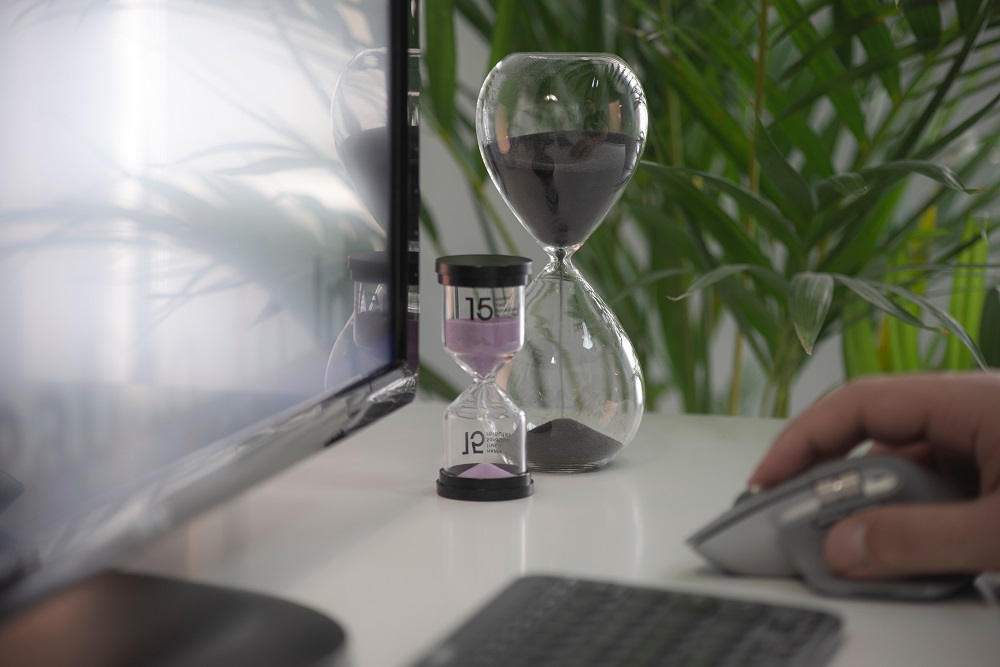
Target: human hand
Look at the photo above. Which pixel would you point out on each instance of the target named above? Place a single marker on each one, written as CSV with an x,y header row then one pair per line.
x,y
950,423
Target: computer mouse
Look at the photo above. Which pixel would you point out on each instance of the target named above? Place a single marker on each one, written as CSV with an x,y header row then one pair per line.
x,y
779,532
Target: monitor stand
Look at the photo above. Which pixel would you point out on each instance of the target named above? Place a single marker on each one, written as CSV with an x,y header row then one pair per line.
x,y
122,620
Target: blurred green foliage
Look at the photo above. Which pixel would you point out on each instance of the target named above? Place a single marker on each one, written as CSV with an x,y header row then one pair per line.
x,y
814,167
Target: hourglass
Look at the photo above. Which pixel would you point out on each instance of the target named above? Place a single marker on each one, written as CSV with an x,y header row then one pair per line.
x,y
483,329
561,135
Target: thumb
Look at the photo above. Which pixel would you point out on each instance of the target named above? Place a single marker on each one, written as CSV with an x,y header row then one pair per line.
x,y
906,540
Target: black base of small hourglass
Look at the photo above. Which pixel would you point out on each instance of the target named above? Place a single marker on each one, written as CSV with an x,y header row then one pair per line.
x,y
470,488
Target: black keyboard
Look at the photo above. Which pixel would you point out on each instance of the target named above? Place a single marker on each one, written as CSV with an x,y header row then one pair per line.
x,y
562,622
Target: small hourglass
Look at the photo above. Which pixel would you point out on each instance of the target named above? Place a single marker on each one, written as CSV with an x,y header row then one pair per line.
x,y
483,330
365,341
561,135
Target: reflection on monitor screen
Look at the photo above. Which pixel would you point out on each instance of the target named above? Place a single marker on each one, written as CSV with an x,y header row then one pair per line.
x,y
203,251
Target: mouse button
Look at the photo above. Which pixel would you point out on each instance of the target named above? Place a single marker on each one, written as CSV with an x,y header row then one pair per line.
x,y
749,547
838,487
767,503
879,482
754,498
802,510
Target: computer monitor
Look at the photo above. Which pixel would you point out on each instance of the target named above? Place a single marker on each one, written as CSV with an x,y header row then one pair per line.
x,y
208,216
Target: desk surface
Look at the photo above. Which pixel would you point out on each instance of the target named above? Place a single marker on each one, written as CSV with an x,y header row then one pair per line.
x,y
359,533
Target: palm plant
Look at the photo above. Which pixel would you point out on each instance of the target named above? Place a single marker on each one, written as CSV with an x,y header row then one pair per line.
x,y
814,168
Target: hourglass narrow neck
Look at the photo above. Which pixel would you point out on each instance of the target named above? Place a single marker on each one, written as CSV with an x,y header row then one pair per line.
x,y
560,266
560,253
480,354
486,393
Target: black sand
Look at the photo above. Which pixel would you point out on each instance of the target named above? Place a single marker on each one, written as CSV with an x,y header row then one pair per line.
x,y
568,445
561,184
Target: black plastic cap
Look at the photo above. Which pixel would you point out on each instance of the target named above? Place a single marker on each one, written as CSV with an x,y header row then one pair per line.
x,y
483,270
469,488
373,267
369,267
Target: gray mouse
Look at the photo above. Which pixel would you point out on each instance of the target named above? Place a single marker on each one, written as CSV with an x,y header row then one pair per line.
x,y
779,532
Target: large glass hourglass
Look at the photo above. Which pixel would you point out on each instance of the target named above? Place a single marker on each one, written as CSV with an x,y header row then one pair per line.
x,y
561,134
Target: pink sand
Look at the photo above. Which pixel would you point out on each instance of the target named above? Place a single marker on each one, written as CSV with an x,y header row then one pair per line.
x,y
485,471
483,345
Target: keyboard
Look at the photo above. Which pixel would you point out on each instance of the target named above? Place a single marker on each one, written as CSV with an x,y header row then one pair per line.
x,y
544,621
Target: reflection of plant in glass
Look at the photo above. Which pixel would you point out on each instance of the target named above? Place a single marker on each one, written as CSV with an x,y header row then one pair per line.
x,y
807,161
219,211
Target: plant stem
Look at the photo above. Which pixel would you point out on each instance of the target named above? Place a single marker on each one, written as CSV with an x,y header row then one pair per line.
x,y
508,240
788,371
673,101
782,395
865,152
684,365
781,374
477,186
758,104
736,388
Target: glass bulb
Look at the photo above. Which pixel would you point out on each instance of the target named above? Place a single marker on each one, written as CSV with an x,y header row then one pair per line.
x,y
561,135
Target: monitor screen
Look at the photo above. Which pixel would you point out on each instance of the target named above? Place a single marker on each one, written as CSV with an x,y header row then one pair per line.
x,y
207,215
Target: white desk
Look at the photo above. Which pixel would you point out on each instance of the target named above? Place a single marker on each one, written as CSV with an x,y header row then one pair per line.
x,y
359,533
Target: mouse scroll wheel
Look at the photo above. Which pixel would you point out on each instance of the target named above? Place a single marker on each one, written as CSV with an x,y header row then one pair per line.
x,y
837,488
